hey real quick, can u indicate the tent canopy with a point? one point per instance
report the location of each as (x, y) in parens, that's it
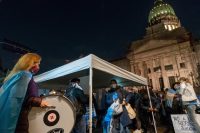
(103, 72)
(93, 72)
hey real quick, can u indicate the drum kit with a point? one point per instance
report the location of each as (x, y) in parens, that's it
(58, 118)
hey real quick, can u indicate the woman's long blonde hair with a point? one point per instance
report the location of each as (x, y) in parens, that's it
(25, 63)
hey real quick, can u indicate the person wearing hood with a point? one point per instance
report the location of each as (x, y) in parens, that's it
(111, 121)
(114, 88)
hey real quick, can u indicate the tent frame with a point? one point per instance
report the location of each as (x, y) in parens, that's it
(101, 65)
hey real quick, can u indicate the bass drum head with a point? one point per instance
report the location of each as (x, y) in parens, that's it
(60, 119)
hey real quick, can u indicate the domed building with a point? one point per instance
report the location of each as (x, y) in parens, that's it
(166, 52)
(163, 13)
(162, 18)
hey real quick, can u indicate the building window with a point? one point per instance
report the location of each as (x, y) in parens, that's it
(157, 69)
(169, 67)
(182, 65)
(161, 83)
(150, 82)
(149, 70)
(171, 81)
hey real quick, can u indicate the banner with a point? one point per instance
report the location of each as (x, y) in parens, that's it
(182, 124)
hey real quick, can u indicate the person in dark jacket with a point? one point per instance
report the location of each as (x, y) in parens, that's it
(23, 94)
(79, 99)
(145, 110)
(133, 99)
(114, 88)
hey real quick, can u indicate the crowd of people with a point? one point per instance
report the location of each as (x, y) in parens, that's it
(130, 110)
(125, 109)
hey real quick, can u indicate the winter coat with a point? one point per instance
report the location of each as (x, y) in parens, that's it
(187, 92)
(31, 100)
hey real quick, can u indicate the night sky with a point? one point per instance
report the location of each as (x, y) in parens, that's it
(64, 29)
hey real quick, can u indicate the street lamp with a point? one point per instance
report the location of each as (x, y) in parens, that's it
(177, 76)
(192, 76)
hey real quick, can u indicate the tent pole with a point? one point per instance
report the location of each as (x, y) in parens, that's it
(154, 122)
(90, 99)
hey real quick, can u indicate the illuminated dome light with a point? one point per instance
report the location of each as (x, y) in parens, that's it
(169, 27)
(173, 27)
(166, 27)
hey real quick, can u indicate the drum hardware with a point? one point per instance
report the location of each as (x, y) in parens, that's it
(49, 107)
(51, 118)
(57, 130)
(52, 92)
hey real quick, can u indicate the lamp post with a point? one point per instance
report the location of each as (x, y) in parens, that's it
(177, 76)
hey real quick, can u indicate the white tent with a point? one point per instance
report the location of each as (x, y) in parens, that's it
(103, 71)
(97, 73)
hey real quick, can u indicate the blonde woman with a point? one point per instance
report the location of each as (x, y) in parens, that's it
(18, 94)
(190, 101)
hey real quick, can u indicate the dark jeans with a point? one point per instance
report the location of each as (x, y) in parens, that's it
(192, 116)
(106, 127)
(80, 126)
(146, 122)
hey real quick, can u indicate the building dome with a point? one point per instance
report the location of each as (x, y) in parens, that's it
(163, 12)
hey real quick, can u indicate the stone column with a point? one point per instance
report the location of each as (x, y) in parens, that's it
(132, 66)
(163, 72)
(141, 68)
(190, 67)
(153, 75)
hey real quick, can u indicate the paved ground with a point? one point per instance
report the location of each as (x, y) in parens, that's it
(159, 130)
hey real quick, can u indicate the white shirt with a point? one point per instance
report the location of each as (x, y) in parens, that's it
(187, 92)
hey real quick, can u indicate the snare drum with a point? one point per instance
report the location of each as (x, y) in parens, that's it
(59, 117)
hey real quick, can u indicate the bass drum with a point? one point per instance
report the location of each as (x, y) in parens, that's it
(58, 118)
